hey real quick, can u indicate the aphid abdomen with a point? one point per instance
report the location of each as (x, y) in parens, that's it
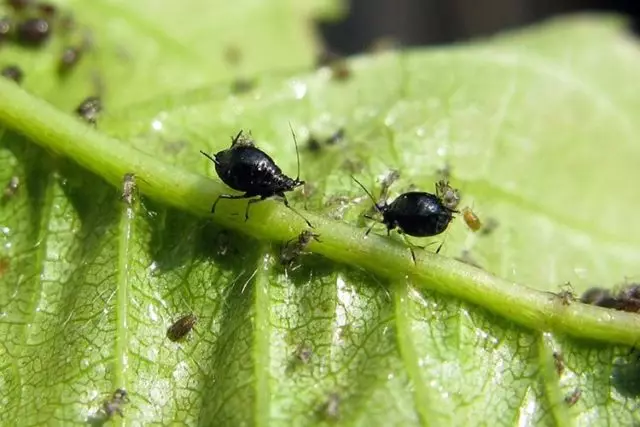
(245, 168)
(418, 214)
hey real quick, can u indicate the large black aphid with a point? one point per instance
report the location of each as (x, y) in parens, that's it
(244, 167)
(416, 213)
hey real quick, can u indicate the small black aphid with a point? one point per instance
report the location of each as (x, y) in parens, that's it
(5, 28)
(33, 32)
(13, 72)
(11, 188)
(90, 109)
(128, 188)
(244, 167)
(182, 327)
(600, 297)
(294, 247)
(115, 404)
(415, 213)
(70, 57)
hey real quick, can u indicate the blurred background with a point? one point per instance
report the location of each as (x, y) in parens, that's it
(425, 22)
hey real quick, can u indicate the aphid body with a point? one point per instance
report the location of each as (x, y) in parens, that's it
(182, 327)
(13, 72)
(294, 247)
(70, 57)
(416, 213)
(572, 398)
(33, 31)
(128, 188)
(11, 188)
(115, 404)
(449, 196)
(5, 28)
(90, 109)
(558, 361)
(471, 219)
(246, 168)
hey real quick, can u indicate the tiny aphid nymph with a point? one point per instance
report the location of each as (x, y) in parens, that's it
(471, 219)
(244, 167)
(11, 188)
(90, 109)
(558, 361)
(294, 247)
(128, 188)
(572, 398)
(449, 196)
(13, 72)
(115, 404)
(181, 327)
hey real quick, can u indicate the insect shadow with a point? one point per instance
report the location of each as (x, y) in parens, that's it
(245, 167)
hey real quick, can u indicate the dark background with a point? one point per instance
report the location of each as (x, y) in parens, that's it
(426, 22)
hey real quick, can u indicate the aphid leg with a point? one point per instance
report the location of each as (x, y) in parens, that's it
(234, 140)
(213, 159)
(229, 196)
(252, 201)
(286, 203)
(411, 247)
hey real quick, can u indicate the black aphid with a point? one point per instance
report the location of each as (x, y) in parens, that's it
(115, 404)
(90, 109)
(415, 213)
(244, 167)
(182, 327)
(13, 72)
(33, 32)
(294, 247)
(626, 300)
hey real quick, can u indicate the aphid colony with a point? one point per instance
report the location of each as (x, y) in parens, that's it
(31, 24)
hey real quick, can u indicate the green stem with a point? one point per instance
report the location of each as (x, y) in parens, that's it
(111, 159)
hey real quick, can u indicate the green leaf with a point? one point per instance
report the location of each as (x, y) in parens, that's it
(537, 127)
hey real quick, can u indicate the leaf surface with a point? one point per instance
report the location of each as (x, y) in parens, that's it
(537, 128)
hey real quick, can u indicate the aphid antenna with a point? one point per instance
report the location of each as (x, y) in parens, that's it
(368, 194)
(235, 139)
(208, 156)
(295, 142)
